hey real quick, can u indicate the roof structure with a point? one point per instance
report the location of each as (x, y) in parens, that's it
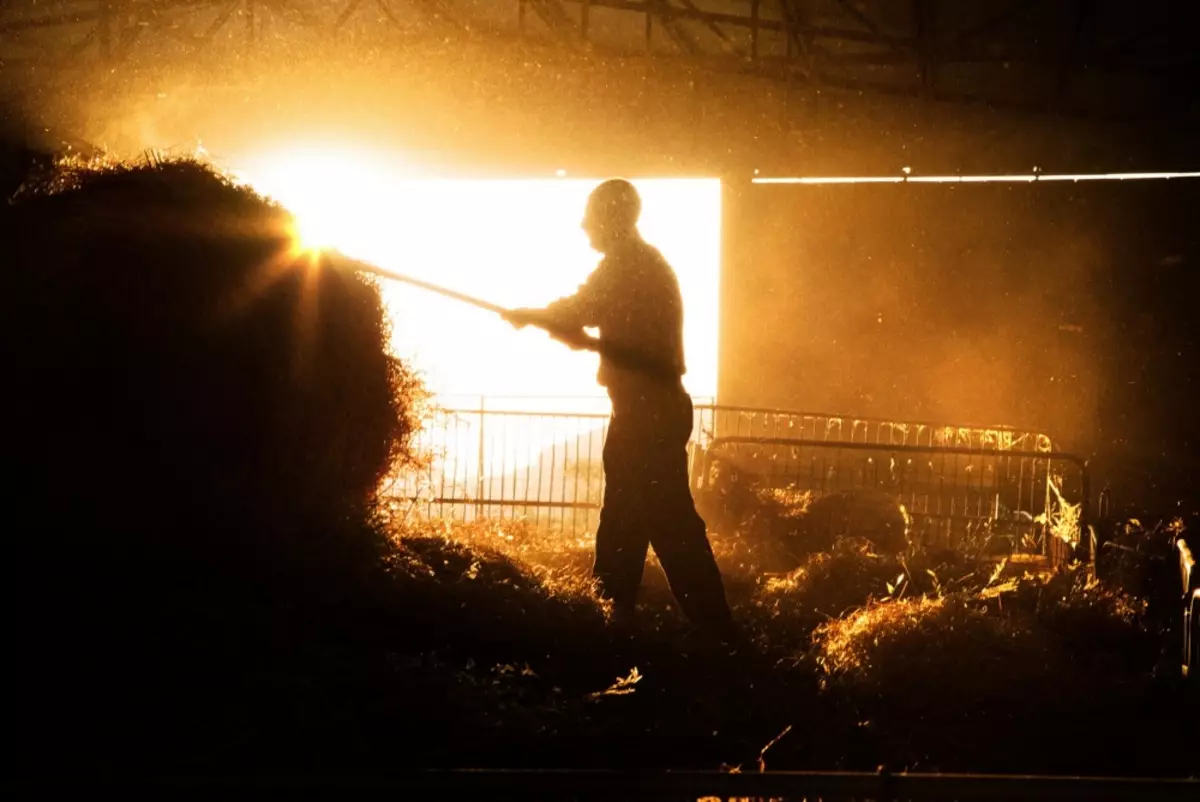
(1106, 59)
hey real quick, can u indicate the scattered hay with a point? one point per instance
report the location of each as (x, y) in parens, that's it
(777, 527)
(946, 648)
(1141, 558)
(480, 602)
(826, 586)
(1102, 629)
(869, 514)
(1031, 663)
(560, 562)
(953, 641)
(833, 584)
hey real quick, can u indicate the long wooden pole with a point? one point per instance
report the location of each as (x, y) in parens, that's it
(578, 339)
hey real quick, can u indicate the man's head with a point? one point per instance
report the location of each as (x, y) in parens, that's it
(612, 214)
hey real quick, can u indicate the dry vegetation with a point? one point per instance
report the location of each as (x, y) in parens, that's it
(201, 577)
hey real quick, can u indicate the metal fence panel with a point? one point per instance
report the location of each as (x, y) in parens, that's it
(543, 467)
(501, 461)
(949, 492)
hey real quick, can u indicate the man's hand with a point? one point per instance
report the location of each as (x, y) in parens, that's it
(520, 318)
(577, 339)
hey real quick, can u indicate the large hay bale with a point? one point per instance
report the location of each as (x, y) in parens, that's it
(181, 366)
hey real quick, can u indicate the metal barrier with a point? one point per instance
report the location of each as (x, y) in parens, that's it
(1191, 606)
(715, 420)
(946, 490)
(650, 786)
(546, 467)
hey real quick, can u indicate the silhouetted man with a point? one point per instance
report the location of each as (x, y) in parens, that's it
(633, 298)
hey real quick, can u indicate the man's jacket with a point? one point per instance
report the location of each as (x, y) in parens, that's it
(633, 298)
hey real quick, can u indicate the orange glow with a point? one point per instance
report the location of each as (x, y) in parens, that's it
(307, 240)
(514, 242)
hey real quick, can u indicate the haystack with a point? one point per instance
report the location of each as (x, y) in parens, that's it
(200, 415)
(182, 368)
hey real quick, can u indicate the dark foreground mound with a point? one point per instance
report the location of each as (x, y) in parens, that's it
(1058, 670)
(199, 418)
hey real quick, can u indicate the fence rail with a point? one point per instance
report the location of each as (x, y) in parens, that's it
(946, 489)
(546, 466)
(714, 420)
(650, 786)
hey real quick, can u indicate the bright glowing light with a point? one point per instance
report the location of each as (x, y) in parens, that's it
(971, 179)
(512, 242)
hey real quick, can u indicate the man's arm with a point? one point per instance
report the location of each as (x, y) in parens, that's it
(567, 315)
(566, 318)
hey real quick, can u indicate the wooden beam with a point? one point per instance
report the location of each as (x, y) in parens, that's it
(1083, 9)
(82, 45)
(991, 23)
(794, 19)
(50, 21)
(386, 8)
(923, 25)
(866, 22)
(291, 12)
(789, 34)
(754, 30)
(438, 11)
(678, 35)
(1112, 53)
(346, 13)
(744, 22)
(217, 24)
(713, 28)
(551, 13)
(686, 11)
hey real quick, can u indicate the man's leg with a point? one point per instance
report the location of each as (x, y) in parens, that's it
(680, 540)
(678, 533)
(621, 544)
